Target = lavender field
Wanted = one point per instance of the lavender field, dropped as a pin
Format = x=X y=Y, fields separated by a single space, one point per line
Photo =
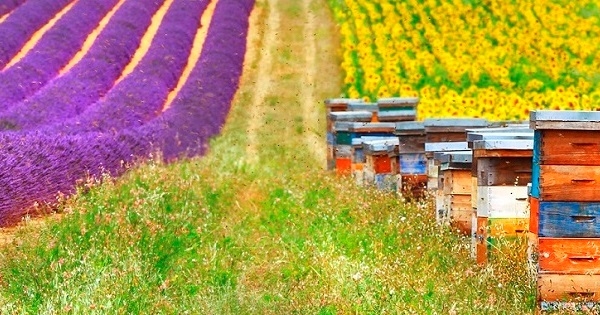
x=57 y=129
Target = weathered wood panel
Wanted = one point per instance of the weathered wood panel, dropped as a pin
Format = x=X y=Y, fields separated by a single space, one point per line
x=412 y=144
x=343 y=166
x=413 y=163
x=502 y=202
x=569 y=183
x=569 y=219
x=534 y=215
x=458 y=136
x=460 y=211
x=569 y=255
x=507 y=227
x=504 y=171
x=570 y=147
x=560 y=287
x=480 y=239
x=457 y=182
x=503 y=153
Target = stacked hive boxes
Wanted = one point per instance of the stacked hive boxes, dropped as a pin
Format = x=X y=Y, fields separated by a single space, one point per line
x=381 y=165
x=435 y=179
x=396 y=109
x=455 y=182
x=411 y=158
x=342 y=148
x=566 y=191
x=334 y=105
x=444 y=135
x=503 y=170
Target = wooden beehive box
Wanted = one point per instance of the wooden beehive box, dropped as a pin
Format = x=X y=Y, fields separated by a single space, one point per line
x=358 y=157
x=411 y=158
x=343 y=137
x=381 y=168
x=334 y=105
x=566 y=191
x=455 y=178
x=450 y=129
x=433 y=153
x=503 y=171
x=365 y=107
x=396 y=109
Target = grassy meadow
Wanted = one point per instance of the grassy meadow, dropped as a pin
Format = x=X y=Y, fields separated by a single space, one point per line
x=256 y=226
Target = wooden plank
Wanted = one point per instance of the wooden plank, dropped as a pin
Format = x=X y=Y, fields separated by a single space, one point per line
x=502 y=202
x=381 y=164
x=457 y=182
x=442 y=217
x=570 y=147
x=460 y=211
x=459 y=136
x=534 y=215
x=569 y=183
x=564 y=119
x=561 y=287
x=413 y=185
x=474 y=196
x=412 y=144
x=535 y=164
x=502 y=153
x=481 y=242
x=569 y=255
x=504 y=171
x=569 y=219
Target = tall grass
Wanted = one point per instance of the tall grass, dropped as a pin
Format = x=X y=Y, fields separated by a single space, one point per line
x=225 y=234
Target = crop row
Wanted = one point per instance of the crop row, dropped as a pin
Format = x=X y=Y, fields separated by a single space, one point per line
x=20 y=25
x=496 y=59
x=36 y=164
x=91 y=77
x=52 y=52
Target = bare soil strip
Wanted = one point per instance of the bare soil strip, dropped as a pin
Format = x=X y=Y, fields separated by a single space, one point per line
x=195 y=53
x=146 y=40
x=89 y=41
x=310 y=113
x=263 y=82
x=30 y=44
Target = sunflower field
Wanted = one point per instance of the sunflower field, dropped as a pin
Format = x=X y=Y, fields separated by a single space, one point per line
x=478 y=58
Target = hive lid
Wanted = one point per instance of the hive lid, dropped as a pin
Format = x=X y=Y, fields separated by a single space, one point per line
x=360 y=140
x=397 y=102
x=397 y=115
x=341 y=101
x=455 y=157
x=503 y=144
x=564 y=119
x=373 y=127
x=455 y=122
x=351 y=116
x=383 y=146
x=369 y=107
x=522 y=134
x=446 y=146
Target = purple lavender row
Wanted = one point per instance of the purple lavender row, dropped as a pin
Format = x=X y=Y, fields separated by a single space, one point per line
x=140 y=96
x=91 y=77
x=9 y=5
x=23 y=22
x=52 y=52
x=35 y=168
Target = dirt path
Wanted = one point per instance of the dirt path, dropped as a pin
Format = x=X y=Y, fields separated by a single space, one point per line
x=259 y=54
x=310 y=114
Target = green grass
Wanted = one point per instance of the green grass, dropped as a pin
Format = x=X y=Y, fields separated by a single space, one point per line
x=223 y=235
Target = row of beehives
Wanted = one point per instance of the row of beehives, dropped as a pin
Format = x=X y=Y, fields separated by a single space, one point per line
x=483 y=174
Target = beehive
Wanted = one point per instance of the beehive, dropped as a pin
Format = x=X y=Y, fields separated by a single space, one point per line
x=433 y=153
x=381 y=166
x=334 y=105
x=455 y=181
x=566 y=190
x=341 y=148
x=503 y=170
x=411 y=158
